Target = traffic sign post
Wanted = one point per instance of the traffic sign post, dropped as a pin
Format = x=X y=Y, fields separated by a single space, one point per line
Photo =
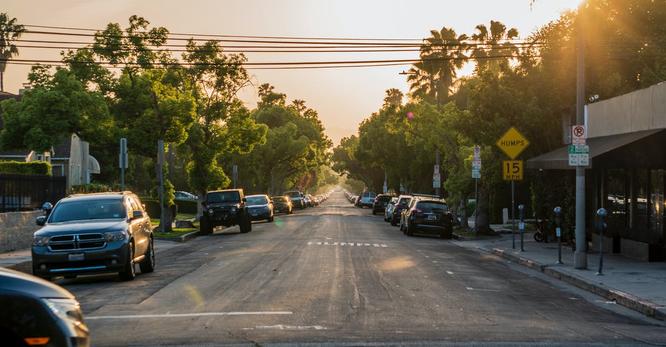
x=512 y=143
x=476 y=174
x=122 y=161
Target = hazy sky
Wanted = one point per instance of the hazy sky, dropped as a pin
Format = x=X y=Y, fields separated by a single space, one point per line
x=343 y=97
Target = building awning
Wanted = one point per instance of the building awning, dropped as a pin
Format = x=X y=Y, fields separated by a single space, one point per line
x=93 y=165
x=559 y=158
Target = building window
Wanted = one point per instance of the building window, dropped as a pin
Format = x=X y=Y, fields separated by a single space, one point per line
x=640 y=193
x=616 y=199
x=657 y=202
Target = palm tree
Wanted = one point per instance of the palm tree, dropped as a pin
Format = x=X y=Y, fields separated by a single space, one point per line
x=9 y=32
x=495 y=47
x=442 y=54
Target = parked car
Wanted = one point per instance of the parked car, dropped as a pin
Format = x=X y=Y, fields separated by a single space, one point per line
x=225 y=207
x=282 y=204
x=38 y=313
x=403 y=202
x=308 y=200
x=185 y=196
x=297 y=198
x=367 y=199
x=428 y=215
x=94 y=233
x=388 y=211
x=260 y=207
x=379 y=205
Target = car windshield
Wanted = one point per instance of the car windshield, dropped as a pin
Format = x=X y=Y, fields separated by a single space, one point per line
x=88 y=209
x=431 y=206
x=384 y=198
x=404 y=201
x=256 y=200
x=221 y=197
x=294 y=194
x=279 y=199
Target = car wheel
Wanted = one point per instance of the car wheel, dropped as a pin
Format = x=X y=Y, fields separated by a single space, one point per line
x=271 y=219
x=245 y=225
x=373 y=212
x=148 y=264
x=128 y=272
x=205 y=227
x=393 y=222
x=409 y=230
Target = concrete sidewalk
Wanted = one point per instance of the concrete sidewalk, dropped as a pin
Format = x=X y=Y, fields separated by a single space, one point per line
x=638 y=285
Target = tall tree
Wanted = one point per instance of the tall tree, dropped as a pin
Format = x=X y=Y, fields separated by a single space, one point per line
x=442 y=54
x=494 y=49
x=10 y=31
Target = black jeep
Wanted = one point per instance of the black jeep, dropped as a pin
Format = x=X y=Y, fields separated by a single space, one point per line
x=225 y=207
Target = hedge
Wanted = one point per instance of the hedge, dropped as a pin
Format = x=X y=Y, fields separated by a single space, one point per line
x=21 y=168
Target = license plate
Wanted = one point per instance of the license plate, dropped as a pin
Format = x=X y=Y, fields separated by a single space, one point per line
x=254 y=213
x=432 y=217
x=75 y=257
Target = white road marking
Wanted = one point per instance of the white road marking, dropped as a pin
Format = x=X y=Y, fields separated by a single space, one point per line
x=199 y=314
x=288 y=327
x=449 y=272
x=481 y=290
x=353 y=244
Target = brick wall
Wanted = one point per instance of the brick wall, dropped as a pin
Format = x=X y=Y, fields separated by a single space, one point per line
x=16 y=229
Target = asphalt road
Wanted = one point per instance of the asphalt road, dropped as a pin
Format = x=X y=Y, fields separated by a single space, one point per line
x=337 y=275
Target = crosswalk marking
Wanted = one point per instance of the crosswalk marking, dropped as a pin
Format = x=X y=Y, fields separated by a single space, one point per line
x=345 y=244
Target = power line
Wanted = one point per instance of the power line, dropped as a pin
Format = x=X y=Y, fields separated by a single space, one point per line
x=237 y=36
x=391 y=44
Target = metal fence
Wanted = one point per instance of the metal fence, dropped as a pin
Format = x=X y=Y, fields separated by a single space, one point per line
x=29 y=192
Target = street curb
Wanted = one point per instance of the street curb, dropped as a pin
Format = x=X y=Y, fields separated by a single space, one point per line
x=182 y=238
x=635 y=303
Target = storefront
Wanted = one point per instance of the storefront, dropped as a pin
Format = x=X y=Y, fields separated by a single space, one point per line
x=627 y=175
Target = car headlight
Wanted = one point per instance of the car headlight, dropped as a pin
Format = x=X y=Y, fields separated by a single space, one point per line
x=233 y=208
x=40 y=240
x=66 y=309
x=115 y=236
x=211 y=211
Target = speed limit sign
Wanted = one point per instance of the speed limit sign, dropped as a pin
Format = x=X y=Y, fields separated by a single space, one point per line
x=512 y=170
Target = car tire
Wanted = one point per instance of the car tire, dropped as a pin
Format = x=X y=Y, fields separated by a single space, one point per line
x=270 y=220
x=373 y=212
x=245 y=225
x=393 y=222
x=409 y=230
x=148 y=264
x=205 y=227
x=129 y=272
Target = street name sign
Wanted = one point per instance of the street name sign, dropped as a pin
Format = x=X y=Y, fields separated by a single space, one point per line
x=512 y=143
x=512 y=170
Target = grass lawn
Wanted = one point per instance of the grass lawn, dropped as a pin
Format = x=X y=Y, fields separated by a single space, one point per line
x=177 y=232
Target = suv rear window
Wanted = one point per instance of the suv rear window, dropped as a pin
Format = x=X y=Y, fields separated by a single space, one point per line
x=217 y=197
x=404 y=201
x=87 y=209
x=368 y=195
x=432 y=206
x=279 y=199
x=294 y=194
x=385 y=198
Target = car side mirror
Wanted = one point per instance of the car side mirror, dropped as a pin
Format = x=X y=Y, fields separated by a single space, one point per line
x=244 y=200
x=137 y=214
x=41 y=220
x=47 y=207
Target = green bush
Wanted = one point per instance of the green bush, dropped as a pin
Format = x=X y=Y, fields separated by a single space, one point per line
x=153 y=208
x=90 y=188
x=21 y=168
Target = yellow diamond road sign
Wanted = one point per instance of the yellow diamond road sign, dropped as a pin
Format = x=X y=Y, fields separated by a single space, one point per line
x=512 y=143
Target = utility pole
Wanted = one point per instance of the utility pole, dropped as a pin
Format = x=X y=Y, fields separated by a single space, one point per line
x=123 y=162
x=160 y=178
x=580 y=256
x=437 y=173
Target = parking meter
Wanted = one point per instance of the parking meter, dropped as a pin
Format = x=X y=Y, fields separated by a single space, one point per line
x=558 y=232
x=601 y=225
x=521 y=226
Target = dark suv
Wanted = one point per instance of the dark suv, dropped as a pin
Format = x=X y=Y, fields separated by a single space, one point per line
x=94 y=233
x=428 y=215
x=225 y=207
x=380 y=203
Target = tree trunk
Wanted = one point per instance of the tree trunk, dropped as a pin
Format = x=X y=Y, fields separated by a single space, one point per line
x=2 y=82
x=482 y=211
x=463 y=214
